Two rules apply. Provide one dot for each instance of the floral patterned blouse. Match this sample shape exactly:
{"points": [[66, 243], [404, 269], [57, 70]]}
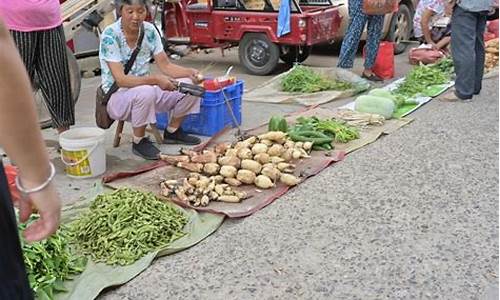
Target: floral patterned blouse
{"points": [[113, 48]]}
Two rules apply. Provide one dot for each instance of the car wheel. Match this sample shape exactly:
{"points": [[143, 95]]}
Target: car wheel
{"points": [[292, 54], [258, 54], [400, 28], [75, 80]]}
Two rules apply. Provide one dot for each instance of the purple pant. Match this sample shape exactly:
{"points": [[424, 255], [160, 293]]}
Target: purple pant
{"points": [[139, 105]]}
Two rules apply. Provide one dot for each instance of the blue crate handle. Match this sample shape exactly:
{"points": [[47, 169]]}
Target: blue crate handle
{"points": [[226, 100]]}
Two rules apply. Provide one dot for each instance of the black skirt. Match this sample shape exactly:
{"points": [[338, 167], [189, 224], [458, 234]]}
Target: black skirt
{"points": [[13, 281]]}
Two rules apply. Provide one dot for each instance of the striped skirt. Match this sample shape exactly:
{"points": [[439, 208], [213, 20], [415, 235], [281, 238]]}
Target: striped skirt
{"points": [[44, 55]]}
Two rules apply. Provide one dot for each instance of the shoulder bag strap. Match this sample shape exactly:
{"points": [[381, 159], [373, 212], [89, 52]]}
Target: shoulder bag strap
{"points": [[129, 63]]}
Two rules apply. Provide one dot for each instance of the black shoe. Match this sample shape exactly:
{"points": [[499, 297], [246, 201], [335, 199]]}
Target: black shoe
{"points": [[371, 77], [146, 149], [179, 137]]}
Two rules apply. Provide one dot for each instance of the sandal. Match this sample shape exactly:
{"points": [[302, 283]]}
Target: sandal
{"points": [[371, 77]]}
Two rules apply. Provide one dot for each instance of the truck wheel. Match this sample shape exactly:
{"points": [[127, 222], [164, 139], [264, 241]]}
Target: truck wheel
{"points": [[292, 54], [258, 54], [75, 79], [400, 28]]}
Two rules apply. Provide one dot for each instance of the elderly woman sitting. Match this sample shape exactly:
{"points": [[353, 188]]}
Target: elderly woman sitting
{"points": [[142, 94], [425, 23]]}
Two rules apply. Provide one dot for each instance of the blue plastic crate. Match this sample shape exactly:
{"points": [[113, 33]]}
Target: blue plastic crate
{"points": [[214, 114]]}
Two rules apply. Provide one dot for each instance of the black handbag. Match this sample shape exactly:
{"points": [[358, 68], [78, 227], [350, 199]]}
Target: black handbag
{"points": [[102, 118]]}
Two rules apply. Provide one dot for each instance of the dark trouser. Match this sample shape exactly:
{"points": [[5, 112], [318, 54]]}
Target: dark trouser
{"points": [[44, 55], [13, 281], [467, 48]]}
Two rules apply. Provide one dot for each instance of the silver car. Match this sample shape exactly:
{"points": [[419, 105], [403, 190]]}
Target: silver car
{"points": [[398, 27]]}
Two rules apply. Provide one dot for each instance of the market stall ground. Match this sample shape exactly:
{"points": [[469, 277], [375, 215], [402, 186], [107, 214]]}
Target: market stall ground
{"points": [[252, 116]]}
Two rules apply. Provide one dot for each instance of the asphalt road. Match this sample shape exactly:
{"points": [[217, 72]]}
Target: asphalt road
{"points": [[411, 216]]}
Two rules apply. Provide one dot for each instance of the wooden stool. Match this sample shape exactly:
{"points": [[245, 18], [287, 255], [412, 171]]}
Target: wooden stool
{"points": [[119, 133]]}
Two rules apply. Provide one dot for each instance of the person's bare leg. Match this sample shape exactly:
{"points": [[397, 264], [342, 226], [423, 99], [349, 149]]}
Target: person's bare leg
{"points": [[139, 132], [173, 134], [176, 122], [443, 42]]}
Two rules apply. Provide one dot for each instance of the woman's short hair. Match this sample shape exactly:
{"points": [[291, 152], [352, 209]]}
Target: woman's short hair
{"points": [[121, 3]]}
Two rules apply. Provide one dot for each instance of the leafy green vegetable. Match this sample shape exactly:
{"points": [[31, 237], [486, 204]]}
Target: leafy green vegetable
{"points": [[338, 131], [420, 78], [50, 262], [122, 226], [304, 80], [444, 65]]}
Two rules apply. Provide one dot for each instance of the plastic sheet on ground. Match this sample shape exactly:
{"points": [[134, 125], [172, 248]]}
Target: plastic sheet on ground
{"points": [[98, 276], [149, 181], [148, 177], [270, 91], [368, 134], [431, 92]]}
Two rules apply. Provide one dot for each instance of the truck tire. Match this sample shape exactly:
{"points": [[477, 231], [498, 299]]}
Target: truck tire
{"points": [[258, 54], [293, 54], [400, 28], [75, 79]]}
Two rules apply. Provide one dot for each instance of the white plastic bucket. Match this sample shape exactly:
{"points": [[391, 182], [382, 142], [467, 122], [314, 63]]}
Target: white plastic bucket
{"points": [[83, 152]]}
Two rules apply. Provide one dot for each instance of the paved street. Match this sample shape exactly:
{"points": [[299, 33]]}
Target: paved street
{"points": [[411, 216]]}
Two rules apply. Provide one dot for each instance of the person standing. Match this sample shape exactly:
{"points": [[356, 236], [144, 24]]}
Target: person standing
{"points": [[23, 142], [358, 20], [468, 23], [36, 27]]}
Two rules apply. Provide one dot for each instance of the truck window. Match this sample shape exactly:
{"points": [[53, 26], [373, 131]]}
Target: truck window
{"points": [[253, 5], [315, 2], [276, 5]]}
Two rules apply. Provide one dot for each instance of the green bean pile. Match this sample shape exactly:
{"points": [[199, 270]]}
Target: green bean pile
{"points": [[124, 225]]}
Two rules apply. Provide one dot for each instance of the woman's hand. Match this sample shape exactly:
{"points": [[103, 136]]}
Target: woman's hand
{"points": [[48, 205], [195, 76], [164, 83]]}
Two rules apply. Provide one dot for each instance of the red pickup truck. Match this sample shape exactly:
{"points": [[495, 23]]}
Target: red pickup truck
{"points": [[251, 25]]}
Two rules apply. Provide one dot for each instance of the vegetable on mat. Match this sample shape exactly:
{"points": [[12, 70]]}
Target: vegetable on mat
{"points": [[444, 65], [49, 263], [278, 123], [375, 105], [491, 55], [123, 226], [322, 132], [358, 119], [421, 77], [304, 80], [199, 190], [398, 100]]}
